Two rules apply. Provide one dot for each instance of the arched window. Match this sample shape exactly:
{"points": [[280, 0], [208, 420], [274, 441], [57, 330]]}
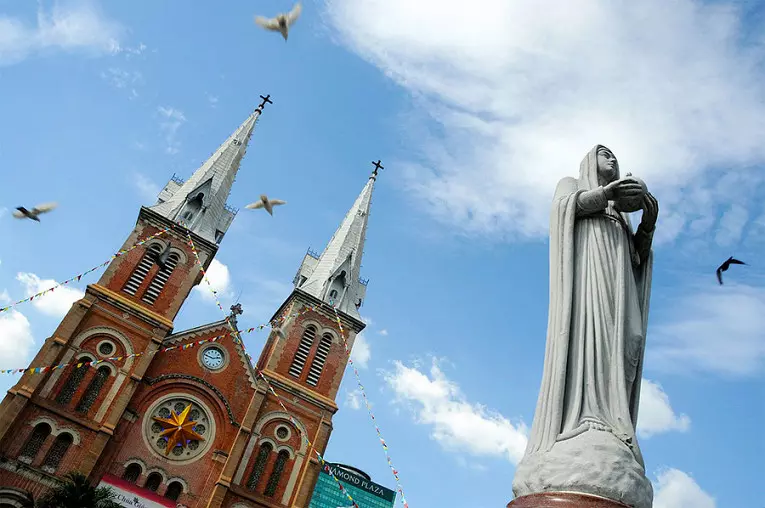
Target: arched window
{"points": [[93, 389], [319, 359], [260, 465], [57, 451], [153, 482], [73, 381], [36, 439], [159, 280], [303, 350], [132, 473], [142, 270], [174, 491], [276, 475]]}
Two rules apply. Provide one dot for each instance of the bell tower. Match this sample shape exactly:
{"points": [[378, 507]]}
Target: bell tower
{"points": [[61, 419], [304, 362]]}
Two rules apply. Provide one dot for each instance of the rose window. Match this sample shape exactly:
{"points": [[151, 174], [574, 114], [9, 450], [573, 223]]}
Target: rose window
{"points": [[178, 428]]}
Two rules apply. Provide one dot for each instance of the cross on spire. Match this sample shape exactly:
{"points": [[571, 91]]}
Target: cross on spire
{"points": [[378, 166], [266, 100]]}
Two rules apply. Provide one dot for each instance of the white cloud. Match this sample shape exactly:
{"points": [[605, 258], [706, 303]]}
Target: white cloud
{"points": [[720, 331], [732, 225], [519, 98], [353, 399], [456, 424], [16, 340], [384, 332], [361, 352], [146, 187], [75, 27], [5, 297], [56, 303], [220, 280], [123, 79], [213, 100], [655, 414], [172, 119], [675, 489]]}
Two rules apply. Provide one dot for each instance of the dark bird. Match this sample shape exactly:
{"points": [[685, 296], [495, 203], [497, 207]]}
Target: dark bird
{"points": [[724, 267], [162, 258], [23, 213], [282, 22]]}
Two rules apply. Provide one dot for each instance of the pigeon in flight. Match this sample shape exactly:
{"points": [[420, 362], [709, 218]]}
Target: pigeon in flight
{"points": [[266, 203], [23, 213], [724, 267], [282, 22]]}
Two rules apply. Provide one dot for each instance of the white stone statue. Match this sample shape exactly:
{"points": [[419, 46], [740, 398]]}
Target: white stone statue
{"points": [[583, 435]]}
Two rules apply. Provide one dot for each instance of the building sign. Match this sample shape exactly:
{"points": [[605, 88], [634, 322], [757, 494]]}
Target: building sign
{"points": [[350, 478], [133, 496]]}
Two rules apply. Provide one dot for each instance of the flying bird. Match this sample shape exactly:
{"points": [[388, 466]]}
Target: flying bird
{"points": [[724, 267], [266, 203], [23, 213], [282, 22]]}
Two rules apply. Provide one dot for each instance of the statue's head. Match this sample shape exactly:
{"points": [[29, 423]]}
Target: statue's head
{"points": [[608, 166], [599, 167]]}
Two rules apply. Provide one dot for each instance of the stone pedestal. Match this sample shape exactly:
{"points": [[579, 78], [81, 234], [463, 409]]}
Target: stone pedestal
{"points": [[563, 500]]}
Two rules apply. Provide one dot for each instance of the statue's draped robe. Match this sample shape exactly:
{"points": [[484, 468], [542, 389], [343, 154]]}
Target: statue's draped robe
{"points": [[599, 297]]}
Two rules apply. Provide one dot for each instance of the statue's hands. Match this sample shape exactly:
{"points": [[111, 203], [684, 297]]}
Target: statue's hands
{"points": [[623, 188], [650, 211]]}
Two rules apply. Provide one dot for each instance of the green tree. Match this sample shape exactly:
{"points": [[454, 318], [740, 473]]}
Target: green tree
{"points": [[76, 492]]}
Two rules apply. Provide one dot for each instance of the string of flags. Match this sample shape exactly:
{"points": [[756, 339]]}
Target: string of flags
{"points": [[77, 278], [369, 409], [238, 341]]}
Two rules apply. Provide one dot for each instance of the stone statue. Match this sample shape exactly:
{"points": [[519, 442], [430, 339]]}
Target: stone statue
{"points": [[583, 436]]}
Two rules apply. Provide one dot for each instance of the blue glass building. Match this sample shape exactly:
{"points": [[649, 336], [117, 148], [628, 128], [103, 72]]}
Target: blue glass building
{"points": [[360, 486]]}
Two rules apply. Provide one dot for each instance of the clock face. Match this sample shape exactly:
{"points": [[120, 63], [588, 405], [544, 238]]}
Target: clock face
{"points": [[212, 358]]}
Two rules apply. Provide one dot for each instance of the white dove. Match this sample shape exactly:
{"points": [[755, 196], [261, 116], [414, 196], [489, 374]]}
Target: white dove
{"points": [[282, 22], [23, 213], [266, 203]]}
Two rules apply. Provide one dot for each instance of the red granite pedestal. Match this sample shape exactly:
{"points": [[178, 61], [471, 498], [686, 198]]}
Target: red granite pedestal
{"points": [[563, 500]]}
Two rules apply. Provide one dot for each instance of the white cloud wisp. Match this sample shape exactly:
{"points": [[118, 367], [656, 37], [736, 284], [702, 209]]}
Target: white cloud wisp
{"points": [[519, 98], [55, 303], [675, 489], [655, 414], [219, 279]]}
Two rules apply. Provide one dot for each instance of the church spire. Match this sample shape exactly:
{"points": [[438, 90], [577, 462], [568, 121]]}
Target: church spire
{"points": [[200, 202], [334, 275]]}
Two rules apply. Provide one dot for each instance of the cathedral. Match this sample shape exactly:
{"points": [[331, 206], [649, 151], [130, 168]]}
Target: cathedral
{"points": [[201, 426]]}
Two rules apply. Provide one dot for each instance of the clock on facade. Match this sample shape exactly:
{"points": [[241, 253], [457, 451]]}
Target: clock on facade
{"points": [[212, 358]]}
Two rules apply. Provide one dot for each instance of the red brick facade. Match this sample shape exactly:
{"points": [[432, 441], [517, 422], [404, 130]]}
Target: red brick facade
{"points": [[98, 419]]}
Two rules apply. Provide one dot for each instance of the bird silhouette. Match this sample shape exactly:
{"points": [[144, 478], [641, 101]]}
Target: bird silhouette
{"points": [[23, 213], [282, 22], [266, 203], [724, 267]]}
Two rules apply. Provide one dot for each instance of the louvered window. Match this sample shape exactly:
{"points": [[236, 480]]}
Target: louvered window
{"points": [[57, 451], [173, 491], [142, 270], [319, 359], [159, 281], [73, 381], [153, 482], [260, 465], [93, 389], [303, 351], [132, 473], [35, 441], [276, 475]]}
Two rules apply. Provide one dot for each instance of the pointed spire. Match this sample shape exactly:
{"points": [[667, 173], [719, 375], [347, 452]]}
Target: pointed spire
{"points": [[199, 203], [334, 275]]}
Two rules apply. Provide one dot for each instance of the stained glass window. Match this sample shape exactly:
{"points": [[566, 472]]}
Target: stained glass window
{"points": [[93, 389], [276, 475], [260, 465], [132, 473], [35, 441], [73, 382], [57, 451]]}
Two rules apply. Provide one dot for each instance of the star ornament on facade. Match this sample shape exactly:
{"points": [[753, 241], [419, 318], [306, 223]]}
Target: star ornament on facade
{"points": [[178, 429]]}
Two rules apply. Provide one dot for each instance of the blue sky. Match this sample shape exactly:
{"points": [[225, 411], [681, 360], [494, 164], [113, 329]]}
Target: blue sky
{"points": [[475, 119]]}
